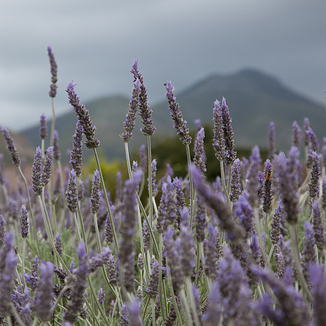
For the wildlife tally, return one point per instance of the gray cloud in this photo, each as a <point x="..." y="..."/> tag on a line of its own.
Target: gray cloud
<point x="95" y="44"/>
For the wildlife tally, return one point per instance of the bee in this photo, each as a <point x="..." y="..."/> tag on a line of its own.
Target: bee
<point x="268" y="176"/>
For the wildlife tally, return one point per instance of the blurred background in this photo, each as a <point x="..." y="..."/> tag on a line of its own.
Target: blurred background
<point x="267" y="58"/>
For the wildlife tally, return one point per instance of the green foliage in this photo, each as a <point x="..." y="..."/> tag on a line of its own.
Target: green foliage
<point x="170" y="150"/>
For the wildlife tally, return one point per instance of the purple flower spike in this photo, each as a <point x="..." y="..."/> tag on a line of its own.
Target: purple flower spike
<point x="173" y="258"/>
<point x="179" y="124"/>
<point x="58" y="244"/>
<point x="37" y="172"/>
<point x="46" y="171"/>
<point x="152" y="289"/>
<point x="318" y="226"/>
<point x="267" y="198"/>
<point x="271" y="140"/>
<point x="187" y="243"/>
<point x="313" y="146"/>
<point x="78" y="287"/>
<point x="216" y="202"/>
<point x="7" y="274"/>
<point x="11" y="147"/>
<point x="83" y="117"/>
<point x="292" y="308"/>
<point x="288" y="184"/>
<point x="200" y="157"/>
<point x="43" y="128"/>
<point x="245" y="213"/>
<point x="129" y="217"/>
<point x="77" y="150"/>
<point x="218" y="137"/>
<point x="309" y="254"/>
<point x="72" y="192"/>
<point x="134" y="309"/>
<point x="306" y="126"/>
<point x="145" y="111"/>
<point x="319" y="294"/>
<point x="229" y="154"/>
<point x="95" y="196"/>
<point x="315" y="173"/>
<point x="54" y="73"/>
<point x="252" y="186"/>
<point x="235" y="181"/>
<point x="2" y="230"/>
<point x="24" y="222"/>
<point x="129" y="123"/>
<point x="167" y="209"/>
<point x="44" y="294"/>
<point x="214" y="308"/>
<point x="296" y="134"/>
<point x="153" y="173"/>
<point x="56" y="150"/>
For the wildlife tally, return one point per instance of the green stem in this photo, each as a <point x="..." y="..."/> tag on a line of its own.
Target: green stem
<point x="191" y="186"/>
<point x="294" y="240"/>
<point x="30" y="210"/>
<point x="106" y="199"/>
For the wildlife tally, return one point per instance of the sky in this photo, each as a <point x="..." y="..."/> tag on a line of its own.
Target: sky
<point x="183" y="41"/>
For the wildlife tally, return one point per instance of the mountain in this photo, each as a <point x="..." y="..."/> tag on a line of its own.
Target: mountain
<point x="254" y="99"/>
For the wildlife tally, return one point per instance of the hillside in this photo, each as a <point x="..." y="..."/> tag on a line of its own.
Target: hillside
<point x="254" y="98"/>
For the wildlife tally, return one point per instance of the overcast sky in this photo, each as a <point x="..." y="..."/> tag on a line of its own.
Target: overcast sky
<point x="96" y="42"/>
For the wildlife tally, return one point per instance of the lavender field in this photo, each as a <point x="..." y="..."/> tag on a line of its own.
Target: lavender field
<point x="247" y="249"/>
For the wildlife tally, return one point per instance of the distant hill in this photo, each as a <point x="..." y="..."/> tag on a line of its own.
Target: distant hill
<point x="254" y="99"/>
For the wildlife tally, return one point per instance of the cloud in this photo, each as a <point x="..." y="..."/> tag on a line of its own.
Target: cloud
<point x="96" y="42"/>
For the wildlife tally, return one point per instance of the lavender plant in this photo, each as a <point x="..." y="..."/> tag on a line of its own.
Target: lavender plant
<point x="182" y="252"/>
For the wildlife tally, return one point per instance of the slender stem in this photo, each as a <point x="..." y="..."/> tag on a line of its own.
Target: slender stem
<point x="23" y="262"/>
<point x="30" y="210"/>
<point x="53" y="121"/>
<point x="15" y="313"/>
<point x="150" y="188"/>
<point x="191" y="186"/>
<point x="106" y="200"/>
<point x="294" y="240"/>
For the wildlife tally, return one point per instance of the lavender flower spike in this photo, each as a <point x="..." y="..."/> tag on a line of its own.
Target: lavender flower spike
<point x="134" y="308"/>
<point x="24" y="222"/>
<point x="7" y="274"/>
<point x="71" y="192"/>
<point x="78" y="287"/>
<point x="229" y="154"/>
<point x="271" y="140"/>
<point x="296" y="134"/>
<point x="288" y="186"/>
<point x="179" y="124"/>
<point x="43" y="295"/>
<point x="216" y="202"/>
<point x="77" y="150"/>
<point x="218" y="137"/>
<point x="267" y="199"/>
<point x="11" y="146"/>
<point x="200" y="158"/>
<point x="318" y="227"/>
<point x="319" y="294"/>
<point x="37" y="172"/>
<point x="129" y="123"/>
<point x="43" y="128"/>
<point x="252" y="185"/>
<point x="83" y="117"/>
<point x="315" y="173"/>
<point x="235" y="181"/>
<point x="46" y="172"/>
<point x="144" y="111"/>
<point x="95" y="196"/>
<point x="56" y="150"/>
<point x="54" y="72"/>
